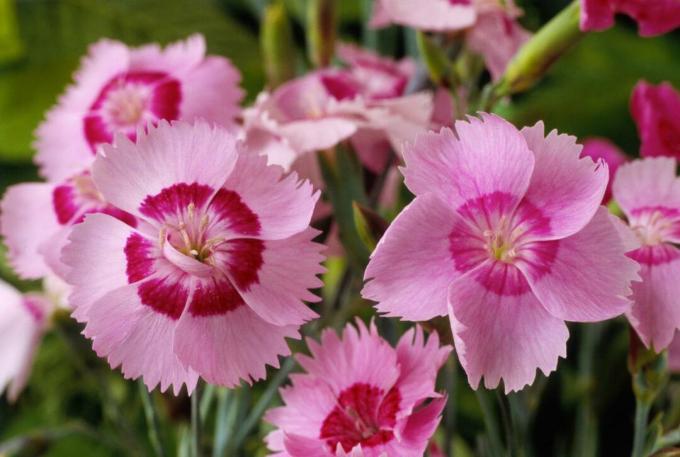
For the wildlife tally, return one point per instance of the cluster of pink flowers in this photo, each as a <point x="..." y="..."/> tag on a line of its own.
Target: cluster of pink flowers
<point x="181" y="225"/>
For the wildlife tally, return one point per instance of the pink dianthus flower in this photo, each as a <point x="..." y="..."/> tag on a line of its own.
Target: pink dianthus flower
<point x="361" y="397"/>
<point x="506" y="235"/>
<point x="212" y="279"/>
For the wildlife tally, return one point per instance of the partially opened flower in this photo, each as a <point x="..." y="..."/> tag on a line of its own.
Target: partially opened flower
<point x="361" y="397"/>
<point x="506" y="235"/>
<point x="23" y="320"/>
<point x="321" y="109"/>
<point x="37" y="218"/>
<point x="120" y="90"/>
<point x="601" y="148"/>
<point x="213" y="278"/>
<point x="656" y="110"/>
<point x="654" y="17"/>
<point x="490" y="25"/>
<point x="648" y="192"/>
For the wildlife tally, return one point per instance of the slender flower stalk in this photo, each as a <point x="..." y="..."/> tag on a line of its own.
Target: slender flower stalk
<point x="535" y="58"/>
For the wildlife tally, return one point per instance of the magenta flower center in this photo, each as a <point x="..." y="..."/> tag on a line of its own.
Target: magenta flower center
<point x="131" y="101"/>
<point x="206" y="251"/>
<point x="492" y="230"/>
<point x="364" y="414"/>
<point x="460" y="2"/>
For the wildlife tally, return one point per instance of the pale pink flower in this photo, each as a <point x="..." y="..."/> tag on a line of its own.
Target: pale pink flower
<point x="491" y="25"/>
<point x="601" y="148"/>
<point x="213" y="278"/>
<point x="37" y="218"/>
<point x="506" y="235"/>
<point x="648" y="192"/>
<point x="119" y="89"/>
<point x="361" y="397"/>
<point x="23" y="319"/>
<point x="321" y="109"/>
<point x="392" y="116"/>
<point x="656" y="110"/>
<point x="654" y="17"/>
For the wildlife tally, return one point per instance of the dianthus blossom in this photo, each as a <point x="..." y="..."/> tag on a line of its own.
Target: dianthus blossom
<point x="361" y="397"/>
<point x="648" y="192"/>
<point x="212" y="279"/>
<point x="119" y="89"/>
<point x="506" y="235"/>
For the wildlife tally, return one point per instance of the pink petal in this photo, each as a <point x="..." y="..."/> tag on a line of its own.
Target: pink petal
<point x="601" y="148"/>
<point x="307" y="404"/>
<point x="656" y="110"/>
<point x="214" y="79"/>
<point x="587" y="277"/>
<point x="489" y="156"/>
<point x="647" y="183"/>
<point x="180" y="57"/>
<point x="283" y="205"/>
<point x="359" y="357"/>
<point x="497" y="37"/>
<point x="655" y="314"/>
<point x="654" y="17"/>
<point x="301" y="446"/>
<point x="419" y="363"/>
<point x="567" y="189"/>
<point x="62" y="147"/>
<point x="596" y="15"/>
<point x="503" y="335"/>
<point x="316" y="134"/>
<point x="420" y="427"/>
<point x="431" y="15"/>
<point x="28" y="220"/>
<point x="101" y="240"/>
<point x="20" y="334"/>
<point x="231" y="347"/>
<point x="138" y="338"/>
<point x="412" y="253"/>
<point x="290" y="268"/>
<point x="127" y="173"/>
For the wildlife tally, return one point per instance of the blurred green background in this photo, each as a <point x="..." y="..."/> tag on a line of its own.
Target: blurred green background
<point x="64" y="411"/>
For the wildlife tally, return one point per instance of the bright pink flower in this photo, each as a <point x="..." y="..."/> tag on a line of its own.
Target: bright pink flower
<point x="120" y="90"/>
<point x="648" y="192"/>
<point x="656" y="110"/>
<point x="37" y="219"/>
<point x="23" y="319"/>
<point x="507" y="236"/>
<point x="601" y="148"/>
<point x="361" y="397"/>
<point x="211" y="281"/>
<point x="654" y="17"/>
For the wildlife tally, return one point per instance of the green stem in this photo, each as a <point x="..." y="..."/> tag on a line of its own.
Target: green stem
<point x="535" y="58"/>
<point x="508" y="425"/>
<point x="585" y="437"/>
<point x="491" y="422"/>
<point x="671" y="438"/>
<point x="450" y="373"/>
<point x="196" y="422"/>
<point x="151" y="420"/>
<point x="264" y="402"/>
<point x="642" y="409"/>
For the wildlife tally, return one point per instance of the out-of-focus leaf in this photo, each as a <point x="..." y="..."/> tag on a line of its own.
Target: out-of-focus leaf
<point x="587" y="92"/>
<point x="57" y="32"/>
